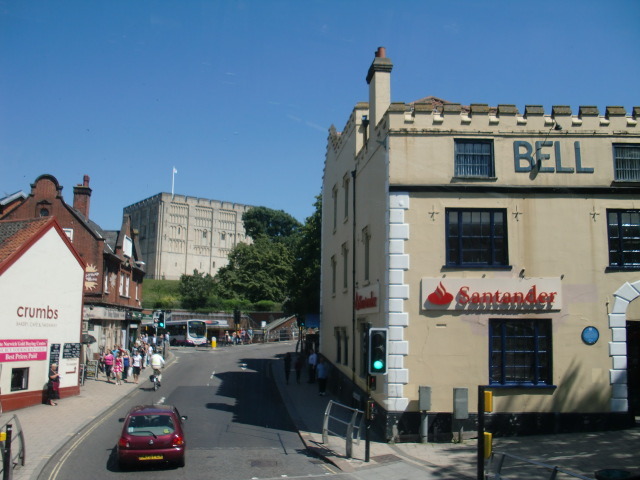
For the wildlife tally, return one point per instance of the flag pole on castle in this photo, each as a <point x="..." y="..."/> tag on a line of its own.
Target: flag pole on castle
<point x="173" y="177"/>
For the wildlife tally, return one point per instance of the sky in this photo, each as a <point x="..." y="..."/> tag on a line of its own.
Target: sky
<point x="239" y="96"/>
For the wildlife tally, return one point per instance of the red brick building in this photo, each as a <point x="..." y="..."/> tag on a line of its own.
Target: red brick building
<point x="114" y="270"/>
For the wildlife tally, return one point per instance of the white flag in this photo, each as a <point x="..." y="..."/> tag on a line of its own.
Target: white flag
<point x="174" y="170"/>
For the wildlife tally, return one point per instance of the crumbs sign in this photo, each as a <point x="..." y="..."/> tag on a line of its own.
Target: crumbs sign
<point x="481" y="294"/>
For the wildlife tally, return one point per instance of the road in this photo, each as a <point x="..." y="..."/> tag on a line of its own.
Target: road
<point x="237" y="427"/>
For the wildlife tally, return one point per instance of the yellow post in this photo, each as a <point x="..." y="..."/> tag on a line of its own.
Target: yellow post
<point x="488" y="401"/>
<point x="3" y="436"/>
<point x="488" y="444"/>
<point x="214" y="342"/>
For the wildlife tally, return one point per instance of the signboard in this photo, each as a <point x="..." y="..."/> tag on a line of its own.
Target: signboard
<point x="23" y="350"/>
<point x="498" y="294"/>
<point x="368" y="299"/>
<point x="71" y="350"/>
<point x="91" y="369"/>
<point x="54" y="354"/>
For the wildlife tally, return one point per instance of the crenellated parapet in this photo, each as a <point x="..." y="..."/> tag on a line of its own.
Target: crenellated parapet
<point x="480" y="117"/>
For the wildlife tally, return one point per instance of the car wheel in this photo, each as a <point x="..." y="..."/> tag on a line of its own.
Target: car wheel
<point x="123" y="466"/>
<point x="180" y="463"/>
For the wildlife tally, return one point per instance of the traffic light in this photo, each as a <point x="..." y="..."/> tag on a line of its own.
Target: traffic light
<point x="300" y="321"/>
<point x="378" y="351"/>
<point x="161" y="320"/>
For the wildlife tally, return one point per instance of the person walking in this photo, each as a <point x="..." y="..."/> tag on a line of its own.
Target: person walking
<point x="126" y="363"/>
<point x="322" y="374"/>
<point x="287" y="366"/>
<point x="136" y="360"/>
<point x="312" y="361"/>
<point x="117" y="368"/>
<point x="108" y="365"/>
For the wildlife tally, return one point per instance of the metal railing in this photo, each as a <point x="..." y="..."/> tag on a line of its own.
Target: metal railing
<point x="12" y="456"/>
<point x="344" y="422"/>
<point x="497" y="462"/>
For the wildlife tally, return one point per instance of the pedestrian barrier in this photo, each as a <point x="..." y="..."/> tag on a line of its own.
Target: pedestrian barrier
<point x="344" y="422"/>
<point x="12" y="446"/>
<point x="517" y="469"/>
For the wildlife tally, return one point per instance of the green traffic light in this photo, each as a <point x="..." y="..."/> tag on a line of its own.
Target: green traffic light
<point x="378" y="365"/>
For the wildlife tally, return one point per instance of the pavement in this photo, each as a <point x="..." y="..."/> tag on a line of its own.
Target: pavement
<point x="47" y="429"/>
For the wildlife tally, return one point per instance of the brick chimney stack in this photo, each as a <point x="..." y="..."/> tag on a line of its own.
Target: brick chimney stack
<point x="379" y="80"/>
<point x="82" y="196"/>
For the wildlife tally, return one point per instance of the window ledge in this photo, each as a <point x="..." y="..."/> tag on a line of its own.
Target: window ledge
<point x="463" y="178"/>
<point x="476" y="267"/>
<point x="629" y="268"/>
<point x="522" y="386"/>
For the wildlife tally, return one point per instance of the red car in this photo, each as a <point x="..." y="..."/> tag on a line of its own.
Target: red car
<point x="152" y="434"/>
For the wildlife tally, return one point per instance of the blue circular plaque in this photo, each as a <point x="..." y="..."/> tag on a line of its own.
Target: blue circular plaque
<point x="590" y="335"/>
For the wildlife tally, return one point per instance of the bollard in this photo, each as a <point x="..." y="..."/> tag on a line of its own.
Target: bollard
<point x="7" y="467"/>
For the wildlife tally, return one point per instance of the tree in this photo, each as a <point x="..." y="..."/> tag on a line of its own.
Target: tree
<point x="274" y="224"/>
<point x="195" y="289"/>
<point x="260" y="271"/>
<point x="304" y="288"/>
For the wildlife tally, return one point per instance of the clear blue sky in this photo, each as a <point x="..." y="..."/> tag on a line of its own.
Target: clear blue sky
<point x="239" y="95"/>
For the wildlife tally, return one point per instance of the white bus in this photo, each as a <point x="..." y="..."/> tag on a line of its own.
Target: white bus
<point x="186" y="332"/>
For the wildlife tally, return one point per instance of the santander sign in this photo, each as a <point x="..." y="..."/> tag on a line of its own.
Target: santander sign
<point x="491" y="294"/>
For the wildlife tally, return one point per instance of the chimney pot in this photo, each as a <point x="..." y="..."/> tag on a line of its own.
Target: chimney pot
<point x="381" y="52"/>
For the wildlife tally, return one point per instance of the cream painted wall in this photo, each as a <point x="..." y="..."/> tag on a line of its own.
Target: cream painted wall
<point x="47" y="276"/>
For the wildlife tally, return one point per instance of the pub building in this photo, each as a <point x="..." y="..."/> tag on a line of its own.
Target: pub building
<point x="499" y="248"/>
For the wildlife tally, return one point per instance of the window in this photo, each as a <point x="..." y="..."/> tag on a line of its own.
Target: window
<point x="334" y="195"/>
<point x="624" y="238"/>
<point x="333" y="275"/>
<point x="626" y="159"/>
<point x="476" y="238"/>
<point x="19" y="379"/>
<point x="474" y="158"/>
<point x="520" y="352"/>
<point x="338" y="346"/>
<point x="69" y="233"/>
<point x="106" y="280"/>
<point x="366" y="239"/>
<point x="345" y="183"/>
<point x="44" y="212"/>
<point x="345" y="266"/>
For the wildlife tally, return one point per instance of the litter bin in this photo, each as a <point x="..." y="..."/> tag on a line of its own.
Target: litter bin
<point x="214" y="342"/>
<point x="612" y="474"/>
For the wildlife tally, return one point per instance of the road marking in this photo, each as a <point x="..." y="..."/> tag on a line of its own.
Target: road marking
<point x="65" y="456"/>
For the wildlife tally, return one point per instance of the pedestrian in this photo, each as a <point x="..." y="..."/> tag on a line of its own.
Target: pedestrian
<point x="322" y="374"/>
<point x="312" y="361"/>
<point x="136" y="361"/>
<point x="126" y="363"/>
<point x="108" y="365"/>
<point x="53" y="385"/>
<point x="287" y="366"/>
<point x="298" y="367"/>
<point x="117" y="368"/>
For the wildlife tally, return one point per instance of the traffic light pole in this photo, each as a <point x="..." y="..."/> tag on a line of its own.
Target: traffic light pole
<point x="367" y="422"/>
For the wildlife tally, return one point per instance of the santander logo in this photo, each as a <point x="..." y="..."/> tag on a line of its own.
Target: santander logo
<point x="492" y="294"/>
<point x="440" y="296"/>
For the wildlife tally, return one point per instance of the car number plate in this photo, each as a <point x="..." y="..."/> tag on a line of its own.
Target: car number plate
<point x="151" y="457"/>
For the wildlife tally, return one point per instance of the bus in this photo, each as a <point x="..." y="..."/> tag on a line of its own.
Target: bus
<point x="186" y="332"/>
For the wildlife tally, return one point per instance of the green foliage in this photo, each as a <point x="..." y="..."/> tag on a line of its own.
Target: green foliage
<point x="274" y="224"/>
<point x="304" y="286"/>
<point x="195" y="289"/>
<point x="160" y="294"/>
<point x="260" y="271"/>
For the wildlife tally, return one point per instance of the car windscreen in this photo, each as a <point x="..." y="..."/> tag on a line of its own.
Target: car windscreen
<point x="144" y="425"/>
